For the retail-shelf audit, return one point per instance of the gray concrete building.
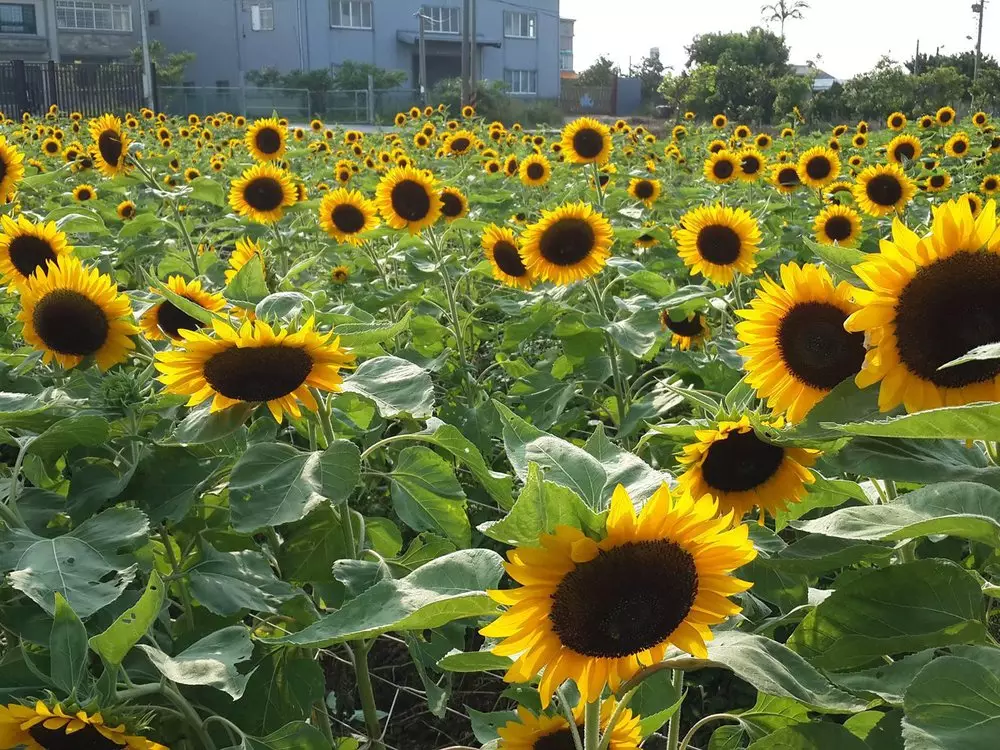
(68, 30)
(517, 41)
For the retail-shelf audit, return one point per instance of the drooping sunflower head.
(165, 320)
(41, 727)
(945, 116)
(245, 250)
(785, 177)
(545, 732)
(83, 193)
(535, 170)
(930, 301)
(569, 243)
(597, 611)
(500, 247)
(586, 141)
(958, 145)
(346, 214)
(11, 169)
(718, 241)
(645, 190)
(721, 167)
(740, 470)
(70, 312)
(686, 331)
(262, 193)
(796, 349)
(27, 248)
(883, 189)
(111, 145)
(896, 121)
(454, 204)
(837, 224)
(752, 164)
(255, 364)
(818, 167)
(408, 199)
(340, 274)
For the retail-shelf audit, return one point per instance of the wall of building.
(31, 47)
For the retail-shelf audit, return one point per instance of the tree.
(650, 72)
(353, 76)
(783, 10)
(602, 72)
(757, 47)
(169, 66)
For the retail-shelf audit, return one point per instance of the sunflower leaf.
(248, 286)
(130, 626)
(211, 661)
(395, 385)
(67, 647)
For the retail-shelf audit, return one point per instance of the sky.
(851, 35)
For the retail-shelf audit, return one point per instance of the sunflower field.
(459, 435)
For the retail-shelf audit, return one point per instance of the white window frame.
(21, 6)
(91, 15)
(521, 82)
(566, 60)
(442, 19)
(262, 15)
(520, 24)
(357, 13)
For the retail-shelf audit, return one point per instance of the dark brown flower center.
(719, 244)
(258, 373)
(990, 184)
(788, 177)
(904, 150)
(264, 194)
(627, 599)
(949, 308)
(938, 180)
(815, 347)
(451, 204)
(171, 319)
(884, 190)
(588, 143)
(508, 260)
(87, 738)
(347, 218)
(945, 117)
(644, 189)
(410, 200)
(567, 242)
(750, 164)
(691, 326)
(70, 323)
(561, 739)
(29, 253)
(460, 145)
(723, 169)
(535, 171)
(819, 168)
(897, 122)
(838, 228)
(109, 143)
(740, 461)
(959, 147)
(84, 194)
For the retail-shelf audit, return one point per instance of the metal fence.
(88, 88)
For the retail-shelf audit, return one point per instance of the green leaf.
(166, 482)
(473, 661)
(652, 283)
(498, 485)
(183, 304)
(840, 260)
(68, 647)
(311, 546)
(285, 307)
(226, 582)
(624, 468)
(383, 535)
(656, 701)
(126, 631)
(960, 509)
(295, 735)
(146, 223)
(812, 736)
(920, 461)
(285, 687)
(84, 429)
(36, 411)
(203, 426)
(207, 190)
(563, 462)
(980, 353)
(954, 702)
(446, 589)
(211, 661)
(969, 422)
(357, 335)
(89, 566)
(892, 610)
(248, 286)
(78, 219)
(395, 385)
(813, 555)
(887, 682)
(427, 496)
(540, 508)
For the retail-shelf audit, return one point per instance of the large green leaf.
(450, 438)
(89, 566)
(446, 589)
(295, 735)
(395, 385)
(248, 286)
(211, 661)
(67, 647)
(226, 582)
(639, 478)
(427, 496)
(82, 429)
(284, 687)
(166, 482)
(208, 190)
(954, 702)
(962, 509)
(892, 610)
(812, 736)
(311, 546)
(972, 421)
(921, 461)
(356, 335)
(132, 624)
(202, 425)
(886, 682)
(815, 554)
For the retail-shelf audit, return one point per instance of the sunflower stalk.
(674, 727)
(567, 709)
(592, 725)
(192, 251)
(453, 313)
(178, 574)
(616, 373)
(619, 708)
(686, 742)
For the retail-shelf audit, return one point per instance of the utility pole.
(473, 55)
(422, 53)
(466, 24)
(147, 65)
(916, 60)
(980, 9)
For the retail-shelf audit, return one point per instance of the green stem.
(592, 725)
(175, 566)
(616, 373)
(324, 417)
(674, 728)
(177, 215)
(367, 695)
(139, 691)
(321, 718)
(453, 313)
(702, 722)
(621, 706)
(190, 716)
(567, 709)
(391, 439)
(890, 490)
(597, 184)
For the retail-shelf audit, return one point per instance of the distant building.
(823, 81)
(566, 69)
(68, 30)
(516, 42)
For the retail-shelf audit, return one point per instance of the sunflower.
(717, 241)
(740, 471)
(975, 202)
(26, 247)
(741, 133)
(839, 130)
(929, 301)
(460, 143)
(818, 167)
(569, 243)
(945, 116)
(787, 133)
(399, 119)
(345, 214)
(926, 122)
(762, 141)
(752, 164)
(165, 319)
(796, 349)
(530, 732)
(938, 183)
(340, 274)
(980, 119)
(856, 160)
(678, 133)
(254, 364)
(492, 166)
(71, 312)
(467, 111)
(599, 611)
(896, 121)
(245, 250)
(837, 224)
(51, 147)
(454, 205)
(990, 184)
(903, 148)
(126, 210)
(958, 145)
(262, 193)
(722, 167)
(883, 189)
(11, 169)
(691, 330)
(111, 154)
(39, 727)
(586, 141)
(645, 190)
(84, 193)
(535, 170)
(500, 248)
(408, 199)
(786, 178)
(860, 140)
(719, 122)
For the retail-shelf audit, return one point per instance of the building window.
(154, 18)
(442, 20)
(519, 25)
(262, 15)
(85, 15)
(17, 18)
(351, 14)
(566, 59)
(521, 81)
